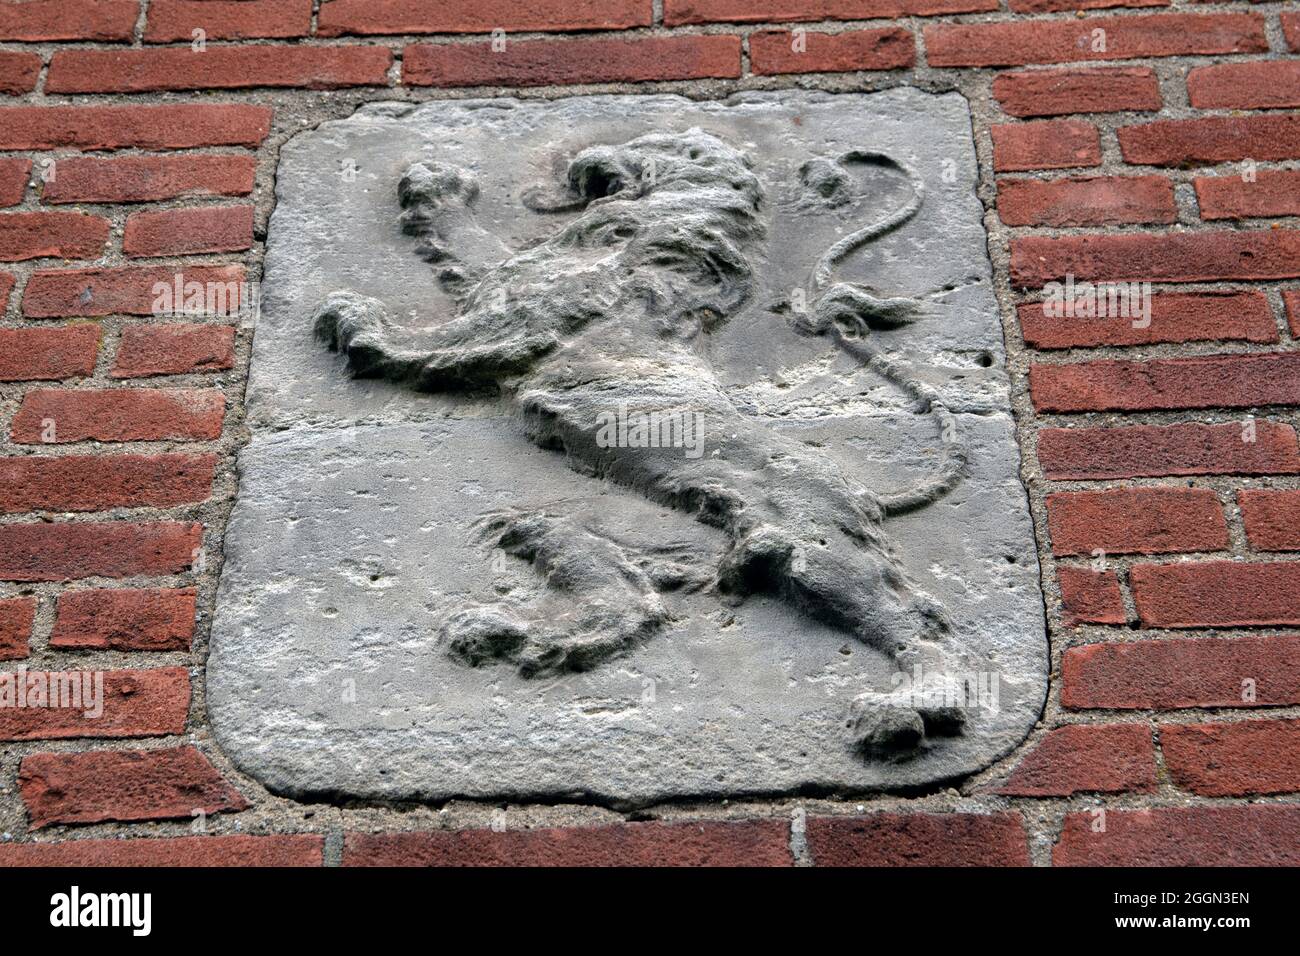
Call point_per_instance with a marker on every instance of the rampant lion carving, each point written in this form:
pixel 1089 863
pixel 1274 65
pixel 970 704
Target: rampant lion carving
pixel 612 310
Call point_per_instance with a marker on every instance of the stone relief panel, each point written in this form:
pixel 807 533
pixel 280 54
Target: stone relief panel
pixel 627 448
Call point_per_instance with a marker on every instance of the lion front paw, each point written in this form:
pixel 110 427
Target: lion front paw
pixel 354 325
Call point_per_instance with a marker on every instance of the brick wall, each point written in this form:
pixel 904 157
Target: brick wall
pixel 1141 140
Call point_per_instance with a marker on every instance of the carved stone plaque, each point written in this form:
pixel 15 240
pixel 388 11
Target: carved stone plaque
pixel 628 448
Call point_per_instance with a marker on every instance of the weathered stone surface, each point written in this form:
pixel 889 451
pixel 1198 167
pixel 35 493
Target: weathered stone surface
pixel 369 642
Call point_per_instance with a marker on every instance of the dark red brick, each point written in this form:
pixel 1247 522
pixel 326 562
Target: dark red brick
pixel 39 235
pixel 171 20
pixel 16 617
pixel 1080 758
pixel 1112 89
pixel 180 126
pixel 1270 193
pixel 1292 300
pixel 678 12
pixel 1090 597
pixel 217 67
pixel 18 72
pixel 136 703
pixel 1066 41
pixel 229 851
pixel 1259 85
pixel 1056 6
pixel 123 785
pixel 339 17
pixel 1173 673
pixel 1175 317
pixel 174 349
pixel 148 178
pixel 96 483
pixel 1046 144
pixel 1210 140
pixel 36 20
pixel 179 232
pixel 67 551
pixel 1233 759
pixel 1088 201
pixel 743 843
pixel 30 355
pixel 1142 451
pixel 6 286
pixel 127 619
pixel 1173 257
pixel 51 416
pixel 1217 594
pixel 1136 521
pixel 595 60
pixel 134 290
pixel 919 839
pixel 1182 836
pixel 1291 29
pixel 772 51
pixel 1272 518
pixel 13 180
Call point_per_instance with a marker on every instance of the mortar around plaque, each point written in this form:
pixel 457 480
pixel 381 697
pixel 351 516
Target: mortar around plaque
pixel 628 448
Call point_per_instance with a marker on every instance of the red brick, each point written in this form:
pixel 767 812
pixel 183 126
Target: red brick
pixel 146 619
pixel 1110 758
pixel 1206 381
pixel 1055 6
pixel 596 60
pixel 1090 597
pixel 174 349
pixel 38 235
pixel 136 703
pixel 678 12
pixel 29 355
pixel 179 232
pixel 1272 518
pixel 35 20
pixel 1175 317
pixel 141 127
pixel 1173 673
pixel 217 67
pixel 1173 257
pixel 1089 201
pixel 171 20
pixel 1212 139
pixel 1259 85
pixel 1046 144
pixel 1148 451
pixel 67 551
pixel 1217 594
pixel 148 178
pixel 771 51
pixel 1065 41
pixel 1057 92
pixel 919 839
pixel 338 17
pixel 742 843
pixel 6 286
pixel 129 291
pixel 1270 193
pixel 1136 521
pixel 13 180
pixel 1291 29
pixel 229 851
pixel 96 483
pixel 1233 759
pixel 18 72
pixel 1292 300
pixel 123 785
pixel 16 617
pixel 1182 836
pixel 119 414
